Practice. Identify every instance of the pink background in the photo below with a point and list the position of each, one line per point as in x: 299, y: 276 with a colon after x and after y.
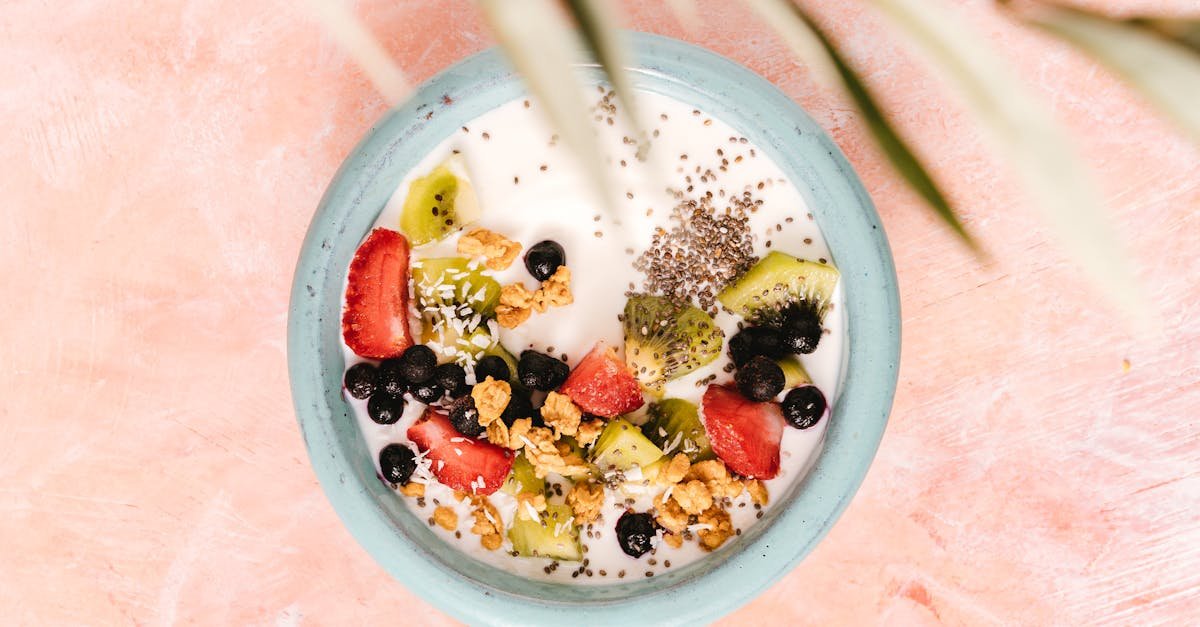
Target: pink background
x: 161, y: 160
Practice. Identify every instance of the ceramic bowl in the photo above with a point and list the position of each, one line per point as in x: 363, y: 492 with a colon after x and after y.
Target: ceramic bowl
x: 477, y: 593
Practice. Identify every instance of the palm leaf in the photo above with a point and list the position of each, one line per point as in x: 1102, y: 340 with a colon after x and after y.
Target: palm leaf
x: 364, y: 48
x: 807, y: 41
x: 601, y: 33
x: 1165, y: 72
x: 1182, y: 31
x: 1032, y: 141
x: 540, y: 43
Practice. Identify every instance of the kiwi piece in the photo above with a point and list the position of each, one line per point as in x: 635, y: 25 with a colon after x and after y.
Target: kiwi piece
x: 675, y: 427
x: 665, y: 340
x: 522, y: 478
x: 439, y: 203
x: 794, y: 373
x: 622, y: 446
x: 553, y: 534
x: 454, y: 281
x: 776, y: 283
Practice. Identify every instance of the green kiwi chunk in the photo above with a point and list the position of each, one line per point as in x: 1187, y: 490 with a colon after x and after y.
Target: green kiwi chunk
x: 454, y: 281
x: 622, y: 446
x: 665, y: 340
x: 553, y: 535
x: 675, y: 427
x: 439, y: 203
x: 794, y: 374
x: 522, y: 480
x: 779, y: 281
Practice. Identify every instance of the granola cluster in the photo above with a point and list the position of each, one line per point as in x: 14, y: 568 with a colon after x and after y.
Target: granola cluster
x: 694, y: 499
x: 491, y: 397
x: 517, y: 303
x: 488, y: 524
x: 585, y: 500
x: 497, y: 251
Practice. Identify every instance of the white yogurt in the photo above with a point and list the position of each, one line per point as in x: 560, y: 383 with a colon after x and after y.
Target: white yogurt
x: 528, y: 204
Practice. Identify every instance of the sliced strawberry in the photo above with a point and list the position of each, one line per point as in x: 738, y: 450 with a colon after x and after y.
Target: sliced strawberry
x: 603, y: 385
x: 461, y: 463
x: 743, y: 433
x: 375, y: 322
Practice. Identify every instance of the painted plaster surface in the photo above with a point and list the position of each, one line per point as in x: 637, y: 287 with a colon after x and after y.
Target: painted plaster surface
x: 161, y: 162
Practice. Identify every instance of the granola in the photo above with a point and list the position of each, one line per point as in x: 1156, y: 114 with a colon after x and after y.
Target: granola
x: 554, y: 292
x: 491, y: 397
x: 488, y: 524
x: 715, y: 528
x: 562, y: 415
x: 445, y: 518
x: 585, y: 500
x: 498, y: 251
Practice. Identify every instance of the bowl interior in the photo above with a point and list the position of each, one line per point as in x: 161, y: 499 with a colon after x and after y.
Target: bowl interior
x: 480, y: 593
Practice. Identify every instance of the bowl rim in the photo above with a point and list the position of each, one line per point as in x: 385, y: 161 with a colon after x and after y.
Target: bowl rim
x: 855, y: 237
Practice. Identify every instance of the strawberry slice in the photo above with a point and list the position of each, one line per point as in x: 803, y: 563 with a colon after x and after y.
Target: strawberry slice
x: 375, y: 322
x: 743, y: 433
x: 461, y: 463
x: 603, y: 385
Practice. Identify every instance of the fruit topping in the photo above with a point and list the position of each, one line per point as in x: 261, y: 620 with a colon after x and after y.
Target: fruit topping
x: 454, y: 282
x: 543, y: 259
x: 804, y: 406
x: 754, y: 341
x: 665, y: 340
x: 602, y: 385
x: 767, y: 290
x: 417, y: 363
x: 375, y: 321
x: 439, y: 203
x: 519, y: 406
x: 460, y: 463
x: 390, y: 379
x: 384, y: 408
x: 635, y: 533
x: 743, y: 433
x: 801, y: 329
x: 675, y: 427
x: 465, y: 418
x: 552, y: 534
x: 492, y: 366
x: 361, y: 379
x: 428, y: 392
x: 522, y: 479
x: 794, y: 373
x: 397, y: 463
x: 452, y: 378
x: 759, y: 379
x: 538, y: 371
x: 622, y: 446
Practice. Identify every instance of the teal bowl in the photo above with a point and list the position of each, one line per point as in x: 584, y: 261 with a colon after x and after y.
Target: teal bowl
x: 480, y: 594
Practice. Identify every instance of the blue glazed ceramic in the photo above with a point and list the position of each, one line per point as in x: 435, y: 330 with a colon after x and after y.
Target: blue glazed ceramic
x: 477, y: 593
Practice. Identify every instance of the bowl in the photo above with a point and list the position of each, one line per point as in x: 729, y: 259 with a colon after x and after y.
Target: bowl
x: 478, y: 593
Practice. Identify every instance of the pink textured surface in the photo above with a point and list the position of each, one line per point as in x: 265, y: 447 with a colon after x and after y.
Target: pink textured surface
x: 161, y: 161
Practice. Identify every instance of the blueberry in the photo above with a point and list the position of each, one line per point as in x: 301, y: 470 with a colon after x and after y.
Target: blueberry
x: 804, y: 406
x: 453, y: 379
x: 544, y: 258
x: 635, y: 532
x: 494, y: 367
x: 519, y: 406
x: 385, y: 408
x: 759, y: 379
x: 417, y: 363
x: 428, y: 392
x: 397, y: 463
x: 754, y: 341
x: 465, y: 418
x: 541, y: 372
x: 802, y: 331
x: 361, y: 379
x: 390, y: 379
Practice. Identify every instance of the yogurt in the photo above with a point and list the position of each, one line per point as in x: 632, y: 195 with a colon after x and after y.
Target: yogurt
x: 531, y: 188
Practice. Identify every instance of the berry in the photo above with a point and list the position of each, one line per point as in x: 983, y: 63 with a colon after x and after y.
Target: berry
x: 635, y: 533
x: 385, y: 408
x: 801, y: 330
x: 427, y: 392
x: 804, y: 406
x: 541, y: 372
x: 390, y: 378
x: 475, y: 466
x: 417, y: 363
x: 519, y: 406
x: 603, y: 385
x: 397, y: 463
x: 494, y: 367
x: 453, y: 379
x: 360, y: 380
x: 544, y: 258
x: 753, y: 341
x: 759, y: 379
x: 375, y: 321
x: 465, y: 418
x: 744, y: 434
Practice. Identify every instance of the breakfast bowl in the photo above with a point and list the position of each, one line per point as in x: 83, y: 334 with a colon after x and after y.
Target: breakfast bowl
x: 475, y: 591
